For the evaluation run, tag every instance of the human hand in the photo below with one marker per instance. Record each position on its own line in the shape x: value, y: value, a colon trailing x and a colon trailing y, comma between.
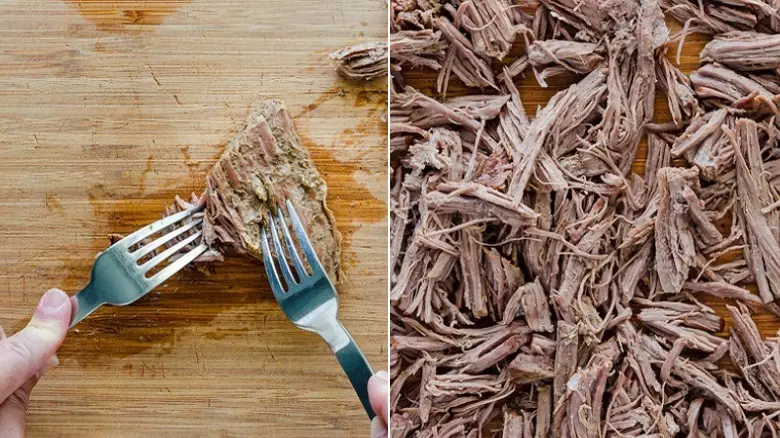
x: 27, y: 355
x: 378, y: 390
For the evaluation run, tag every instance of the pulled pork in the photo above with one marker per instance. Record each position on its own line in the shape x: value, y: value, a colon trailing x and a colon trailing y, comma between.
x: 539, y: 286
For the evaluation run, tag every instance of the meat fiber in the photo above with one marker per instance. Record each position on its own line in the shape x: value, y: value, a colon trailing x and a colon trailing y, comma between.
x: 746, y: 51
x: 674, y: 248
x: 557, y: 56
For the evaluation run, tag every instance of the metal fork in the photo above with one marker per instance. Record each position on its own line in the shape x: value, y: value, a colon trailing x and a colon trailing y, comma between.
x: 120, y: 278
x: 310, y: 300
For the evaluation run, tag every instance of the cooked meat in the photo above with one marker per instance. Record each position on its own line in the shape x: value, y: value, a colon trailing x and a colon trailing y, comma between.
x: 746, y: 51
x: 542, y: 284
x: 417, y: 48
x: 557, y: 56
x: 362, y: 62
x: 261, y: 167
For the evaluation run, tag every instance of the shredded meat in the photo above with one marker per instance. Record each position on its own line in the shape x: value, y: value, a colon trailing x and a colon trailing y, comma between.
x: 362, y: 62
x: 541, y: 284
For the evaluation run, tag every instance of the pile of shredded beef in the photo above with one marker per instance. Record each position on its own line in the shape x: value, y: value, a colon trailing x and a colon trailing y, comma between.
x: 539, y: 286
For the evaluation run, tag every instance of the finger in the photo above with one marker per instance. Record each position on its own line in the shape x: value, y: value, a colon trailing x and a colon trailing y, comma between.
x: 26, y: 353
x: 378, y: 394
x: 14, y: 409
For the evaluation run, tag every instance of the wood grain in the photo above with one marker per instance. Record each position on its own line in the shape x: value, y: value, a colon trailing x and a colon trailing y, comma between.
x: 110, y: 108
x: 534, y: 97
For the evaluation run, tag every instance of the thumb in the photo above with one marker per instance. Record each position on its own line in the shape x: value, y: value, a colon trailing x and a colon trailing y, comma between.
x: 378, y: 391
x: 26, y: 353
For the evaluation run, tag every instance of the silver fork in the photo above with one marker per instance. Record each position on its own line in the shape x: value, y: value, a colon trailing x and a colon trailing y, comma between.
x: 309, y: 300
x: 119, y: 277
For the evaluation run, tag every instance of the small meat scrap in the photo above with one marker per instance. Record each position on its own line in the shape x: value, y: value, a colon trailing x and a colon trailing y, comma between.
x: 362, y: 62
x: 533, y: 300
x: 760, y: 228
x: 261, y: 167
x: 744, y: 51
x: 417, y: 48
x: 675, y: 250
x: 679, y: 90
x: 557, y: 56
x: 714, y: 18
x: 526, y: 368
x: 714, y: 81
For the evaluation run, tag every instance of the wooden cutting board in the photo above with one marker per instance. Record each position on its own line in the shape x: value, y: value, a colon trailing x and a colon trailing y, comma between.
x: 108, y: 109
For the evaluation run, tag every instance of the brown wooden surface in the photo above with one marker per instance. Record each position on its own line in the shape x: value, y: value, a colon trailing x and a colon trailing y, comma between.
x: 110, y: 108
x: 534, y: 96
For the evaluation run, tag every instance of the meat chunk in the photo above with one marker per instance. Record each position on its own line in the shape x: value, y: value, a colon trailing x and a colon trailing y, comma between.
x: 261, y: 167
x: 362, y: 62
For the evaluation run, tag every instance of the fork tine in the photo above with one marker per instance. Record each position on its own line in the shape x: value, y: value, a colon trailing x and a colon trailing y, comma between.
x: 283, y: 266
x: 270, y: 269
x: 291, y: 246
x: 308, y: 250
x: 150, y: 229
x: 176, y: 265
x: 146, y: 249
x: 154, y: 261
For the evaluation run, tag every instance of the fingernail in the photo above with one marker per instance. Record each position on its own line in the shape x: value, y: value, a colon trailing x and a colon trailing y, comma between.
x: 382, y: 375
x: 52, y: 303
x: 50, y: 364
x: 378, y: 428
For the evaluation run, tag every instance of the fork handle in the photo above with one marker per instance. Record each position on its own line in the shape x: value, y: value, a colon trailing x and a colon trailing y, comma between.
x: 358, y: 371
x: 87, y: 301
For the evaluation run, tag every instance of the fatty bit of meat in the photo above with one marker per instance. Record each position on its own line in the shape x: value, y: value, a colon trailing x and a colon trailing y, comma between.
x: 261, y: 167
x: 539, y: 286
x: 362, y: 62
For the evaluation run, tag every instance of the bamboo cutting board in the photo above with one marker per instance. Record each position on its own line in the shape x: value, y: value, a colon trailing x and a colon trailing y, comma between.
x: 108, y: 109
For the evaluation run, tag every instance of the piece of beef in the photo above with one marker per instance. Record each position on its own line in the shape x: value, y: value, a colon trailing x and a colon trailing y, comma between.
x: 744, y: 51
x: 763, y: 250
x: 716, y: 81
x: 362, y: 62
x: 417, y: 48
x: 674, y: 242
x: 261, y: 167
x: 557, y: 56
x: 679, y: 91
x: 526, y: 368
x: 710, y: 18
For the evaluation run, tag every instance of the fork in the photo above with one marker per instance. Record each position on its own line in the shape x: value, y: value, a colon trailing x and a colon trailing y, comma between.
x: 310, y: 300
x: 119, y: 275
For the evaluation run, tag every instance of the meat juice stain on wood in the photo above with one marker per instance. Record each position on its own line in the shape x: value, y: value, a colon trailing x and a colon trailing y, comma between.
x: 351, y: 202
x: 343, y: 189
x: 188, y: 301
x: 117, y: 15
